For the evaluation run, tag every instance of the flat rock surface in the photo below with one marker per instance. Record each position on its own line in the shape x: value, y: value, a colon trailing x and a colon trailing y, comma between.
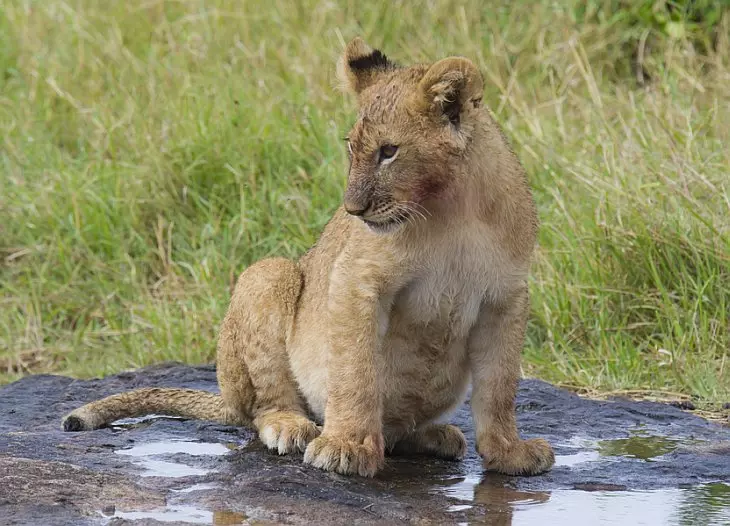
x: 618, y: 462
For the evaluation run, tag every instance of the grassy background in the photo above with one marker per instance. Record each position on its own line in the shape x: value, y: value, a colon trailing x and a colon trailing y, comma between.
x: 151, y: 150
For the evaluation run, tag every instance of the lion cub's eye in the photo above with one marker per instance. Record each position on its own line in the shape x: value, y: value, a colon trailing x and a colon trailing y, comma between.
x: 387, y: 151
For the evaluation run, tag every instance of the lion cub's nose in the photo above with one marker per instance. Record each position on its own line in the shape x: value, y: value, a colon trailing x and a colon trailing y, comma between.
x: 356, y: 209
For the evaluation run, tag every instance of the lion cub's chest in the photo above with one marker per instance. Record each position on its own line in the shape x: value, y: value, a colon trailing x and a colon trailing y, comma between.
x: 441, y: 301
x: 447, y: 291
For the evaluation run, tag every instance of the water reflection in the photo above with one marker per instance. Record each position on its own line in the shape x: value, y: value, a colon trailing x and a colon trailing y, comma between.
x: 495, y: 501
x: 639, y: 445
x: 475, y: 497
x: 501, y: 502
x: 186, y: 515
x: 708, y: 504
x: 228, y: 518
x: 140, y: 422
x: 142, y: 456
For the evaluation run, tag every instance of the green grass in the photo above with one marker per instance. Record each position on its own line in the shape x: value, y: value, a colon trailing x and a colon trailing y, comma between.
x: 149, y: 151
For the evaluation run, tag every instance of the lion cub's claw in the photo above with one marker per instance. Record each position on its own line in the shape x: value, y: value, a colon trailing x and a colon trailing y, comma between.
x: 286, y: 432
x: 526, y: 457
x: 346, y: 457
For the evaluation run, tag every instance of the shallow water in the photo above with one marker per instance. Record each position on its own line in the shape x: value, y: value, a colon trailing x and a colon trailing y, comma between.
x: 140, y: 422
x: 143, y: 456
x: 588, y: 504
x: 186, y: 514
x: 479, y: 498
x: 641, y: 445
x: 164, y: 468
x: 196, y: 487
x: 170, y: 447
x: 574, y: 459
x: 657, y: 507
x: 702, y: 505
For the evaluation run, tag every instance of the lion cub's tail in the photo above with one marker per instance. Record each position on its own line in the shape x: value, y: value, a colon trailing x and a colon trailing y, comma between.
x: 187, y: 403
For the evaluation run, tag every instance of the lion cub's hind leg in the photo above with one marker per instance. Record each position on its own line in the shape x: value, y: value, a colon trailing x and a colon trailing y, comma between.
x: 253, y: 366
x: 440, y: 440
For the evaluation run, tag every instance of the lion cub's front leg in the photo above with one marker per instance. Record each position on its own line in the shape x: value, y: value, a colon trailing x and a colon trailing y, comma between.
x: 495, y: 346
x: 352, y: 440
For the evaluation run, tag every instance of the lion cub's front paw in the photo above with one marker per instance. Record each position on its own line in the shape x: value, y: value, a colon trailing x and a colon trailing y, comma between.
x: 347, y: 457
x: 525, y: 457
x: 286, y: 432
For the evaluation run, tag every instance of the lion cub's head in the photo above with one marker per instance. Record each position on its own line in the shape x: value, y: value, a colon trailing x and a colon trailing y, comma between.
x: 412, y: 135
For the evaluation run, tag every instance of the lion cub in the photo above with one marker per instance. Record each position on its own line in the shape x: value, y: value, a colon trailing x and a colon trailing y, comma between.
x: 417, y: 287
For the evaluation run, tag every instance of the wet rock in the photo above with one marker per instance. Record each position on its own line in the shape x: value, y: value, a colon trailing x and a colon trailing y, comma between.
x: 654, y: 460
x: 60, y: 489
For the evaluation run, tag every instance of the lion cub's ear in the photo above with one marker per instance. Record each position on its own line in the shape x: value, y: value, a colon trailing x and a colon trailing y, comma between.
x: 360, y: 66
x: 450, y: 87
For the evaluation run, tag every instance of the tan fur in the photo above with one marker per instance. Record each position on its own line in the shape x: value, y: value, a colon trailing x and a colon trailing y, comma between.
x: 378, y: 330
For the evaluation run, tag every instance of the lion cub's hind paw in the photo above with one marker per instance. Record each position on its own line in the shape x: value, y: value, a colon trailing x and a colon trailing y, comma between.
x: 440, y: 440
x: 445, y: 441
x: 286, y: 432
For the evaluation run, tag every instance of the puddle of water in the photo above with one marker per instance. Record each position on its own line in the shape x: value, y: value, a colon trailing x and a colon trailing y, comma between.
x: 229, y: 518
x: 169, y: 469
x: 577, y: 458
x: 640, y: 445
x: 503, y: 504
x: 196, y: 487
x: 170, y: 447
x: 173, y: 470
x: 460, y: 488
x: 188, y: 514
x: 649, y: 508
x: 600, y: 504
x: 141, y: 455
x: 140, y: 421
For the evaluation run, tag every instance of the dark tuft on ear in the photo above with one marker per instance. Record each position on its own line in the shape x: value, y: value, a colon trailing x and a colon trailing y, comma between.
x: 375, y: 60
x: 361, y: 66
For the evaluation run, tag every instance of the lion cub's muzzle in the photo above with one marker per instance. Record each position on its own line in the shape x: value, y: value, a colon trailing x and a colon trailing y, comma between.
x: 356, y: 208
x: 380, y: 218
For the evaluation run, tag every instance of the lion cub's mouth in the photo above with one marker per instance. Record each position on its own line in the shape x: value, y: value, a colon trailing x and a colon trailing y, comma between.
x: 384, y: 226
